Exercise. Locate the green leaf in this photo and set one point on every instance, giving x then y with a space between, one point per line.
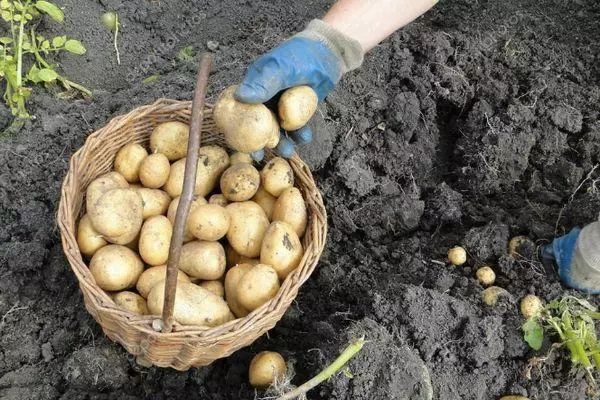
18 6
33 74
17 17
47 75
59 41
28 17
533 333
74 46
45 45
51 9
6 15
4 4
26 46
5 40
150 79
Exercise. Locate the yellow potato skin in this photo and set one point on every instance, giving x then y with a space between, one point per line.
265 368
172 212
296 106
266 201
154 202
209 222
203 260
233 258
101 185
240 182
290 208
131 302
248 226
239 157
155 240
153 276
118 215
154 171
215 287
232 279
194 305
247 127
276 176
128 161
170 139
218 199
281 249
257 286
115 267
88 239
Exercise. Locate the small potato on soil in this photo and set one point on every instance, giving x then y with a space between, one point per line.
203 260
290 208
266 368
232 280
155 240
131 302
115 267
194 305
281 249
128 161
88 239
485 276
101 185
172 212
118 215
276 176
154 202
257 286
266 201
170 139
247 229
209 222
531 306
521 247
247 127
154 171
457 255
491 295
218 199
215 287
239 157
240 182
296 106
154 275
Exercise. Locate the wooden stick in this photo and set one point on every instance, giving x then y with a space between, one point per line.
189 181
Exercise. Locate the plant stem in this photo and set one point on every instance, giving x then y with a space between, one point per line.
328 372
116 36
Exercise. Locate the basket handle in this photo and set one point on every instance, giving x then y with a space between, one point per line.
187 195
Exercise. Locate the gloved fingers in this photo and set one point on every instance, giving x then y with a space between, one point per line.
302 136
286 147
263 80
258 155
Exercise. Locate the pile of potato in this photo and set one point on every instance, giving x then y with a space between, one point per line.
243 233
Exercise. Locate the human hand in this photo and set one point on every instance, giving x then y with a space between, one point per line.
316 57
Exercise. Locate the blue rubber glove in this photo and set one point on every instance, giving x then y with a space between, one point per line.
561 251
316 57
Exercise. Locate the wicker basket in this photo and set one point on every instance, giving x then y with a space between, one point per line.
186 346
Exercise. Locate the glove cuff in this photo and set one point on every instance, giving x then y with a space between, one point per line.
348 50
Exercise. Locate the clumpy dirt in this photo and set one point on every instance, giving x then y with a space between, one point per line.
474 124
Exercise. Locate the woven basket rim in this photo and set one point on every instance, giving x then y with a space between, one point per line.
102 302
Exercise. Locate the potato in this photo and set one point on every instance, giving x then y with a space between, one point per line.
154 171
194 305
154 202
233 258
203 260
215 287
128 161
257 286
491 295
101 185
209 222
172 212
115 267
275 134
296 106
213 160
276 176
118 215
457 255
247 127
265 200
240 182
281 249
131 302
266 368
232 279
155 275
170 139
531 306
239 157
290 208
218 199
155 240
88 239
248 226
485 276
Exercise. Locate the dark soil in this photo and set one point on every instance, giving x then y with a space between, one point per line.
476 123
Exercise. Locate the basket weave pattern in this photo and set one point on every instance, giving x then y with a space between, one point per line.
188 345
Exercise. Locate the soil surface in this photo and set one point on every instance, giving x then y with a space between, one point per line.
476 123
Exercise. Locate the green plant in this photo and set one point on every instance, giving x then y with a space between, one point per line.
23 41
572 321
